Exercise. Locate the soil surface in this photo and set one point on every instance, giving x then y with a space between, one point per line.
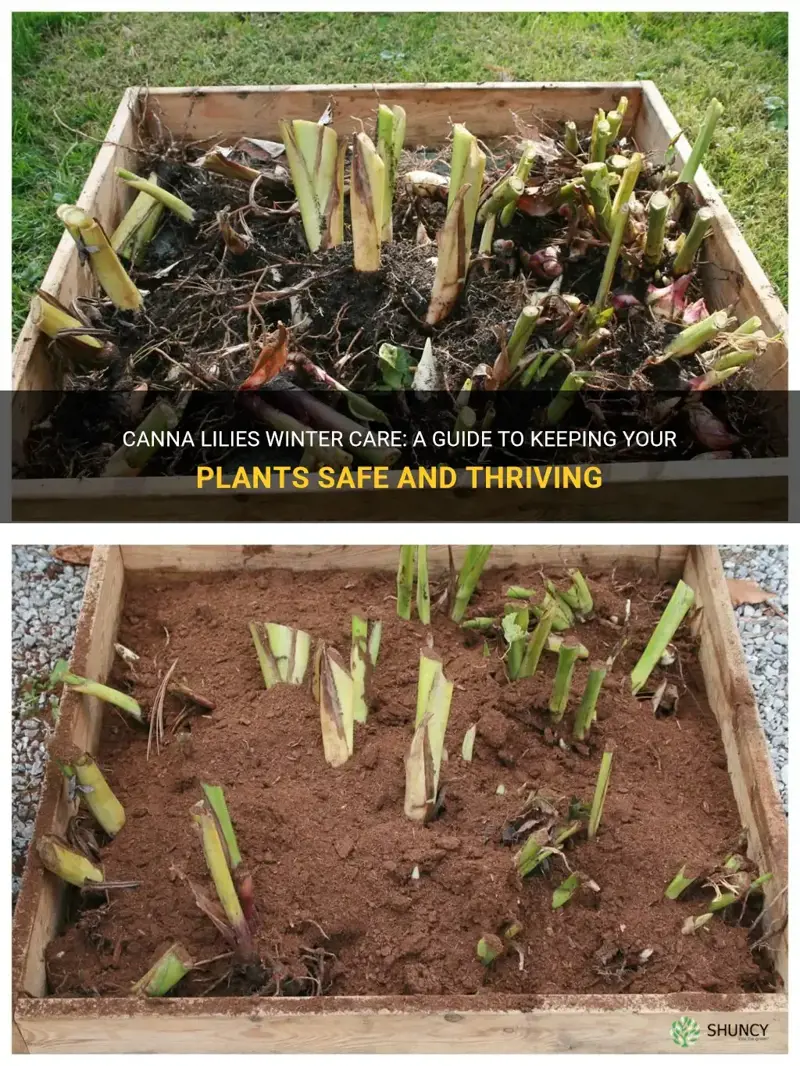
331 851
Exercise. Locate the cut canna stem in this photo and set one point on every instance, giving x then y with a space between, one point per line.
218 163
374 642
217 863
424 760
61 675
363 656
531 855
105 264
97 795
468 743
283 652
657 218
468 577
566 890
614 120
520 334
689 340
467 165
334 688
390 137
601 136
316 160
554 643
242 879
537 642
700 229
612 255
601 789
525 162
451 262
367 186
504 193
52 319
578 597
359 665
595 177
164 974
490 947
567 657
515 628
626 186
675 612
687 175
124 238
571 142
562 612
487 239
171 202
587 712
130 459
67 864
679 883
405 581
483 623
517 592
565 397
423 589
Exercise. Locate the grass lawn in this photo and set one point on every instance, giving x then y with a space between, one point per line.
70 69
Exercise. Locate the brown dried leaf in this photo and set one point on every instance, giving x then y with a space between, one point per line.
74 554
271 359
743 591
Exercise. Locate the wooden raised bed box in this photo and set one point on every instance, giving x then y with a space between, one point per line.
217 115
492 1022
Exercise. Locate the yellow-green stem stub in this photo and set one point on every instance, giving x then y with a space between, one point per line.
600 792
97 795
165 973
61 675
216 801
676 610
335 693
171 202
69 865
424 760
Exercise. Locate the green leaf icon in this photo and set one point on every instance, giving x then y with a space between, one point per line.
685 1032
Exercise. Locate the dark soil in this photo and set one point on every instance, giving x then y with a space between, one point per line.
331 851
199 329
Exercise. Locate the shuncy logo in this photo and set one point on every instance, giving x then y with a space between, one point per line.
685 1031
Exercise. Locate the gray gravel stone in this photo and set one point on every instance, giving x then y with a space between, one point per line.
764 631
46 601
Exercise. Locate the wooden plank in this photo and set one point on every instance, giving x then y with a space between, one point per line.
729 490
222 114
393 1025
733 275
666 562
39 904
733 702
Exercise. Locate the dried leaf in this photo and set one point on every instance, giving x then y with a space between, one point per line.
742 591
73 554
270 360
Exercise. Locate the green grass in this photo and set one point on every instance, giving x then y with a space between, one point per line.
70 70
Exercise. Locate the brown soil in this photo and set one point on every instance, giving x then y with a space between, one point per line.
332 853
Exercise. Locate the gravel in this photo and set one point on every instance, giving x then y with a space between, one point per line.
46 604
764 631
